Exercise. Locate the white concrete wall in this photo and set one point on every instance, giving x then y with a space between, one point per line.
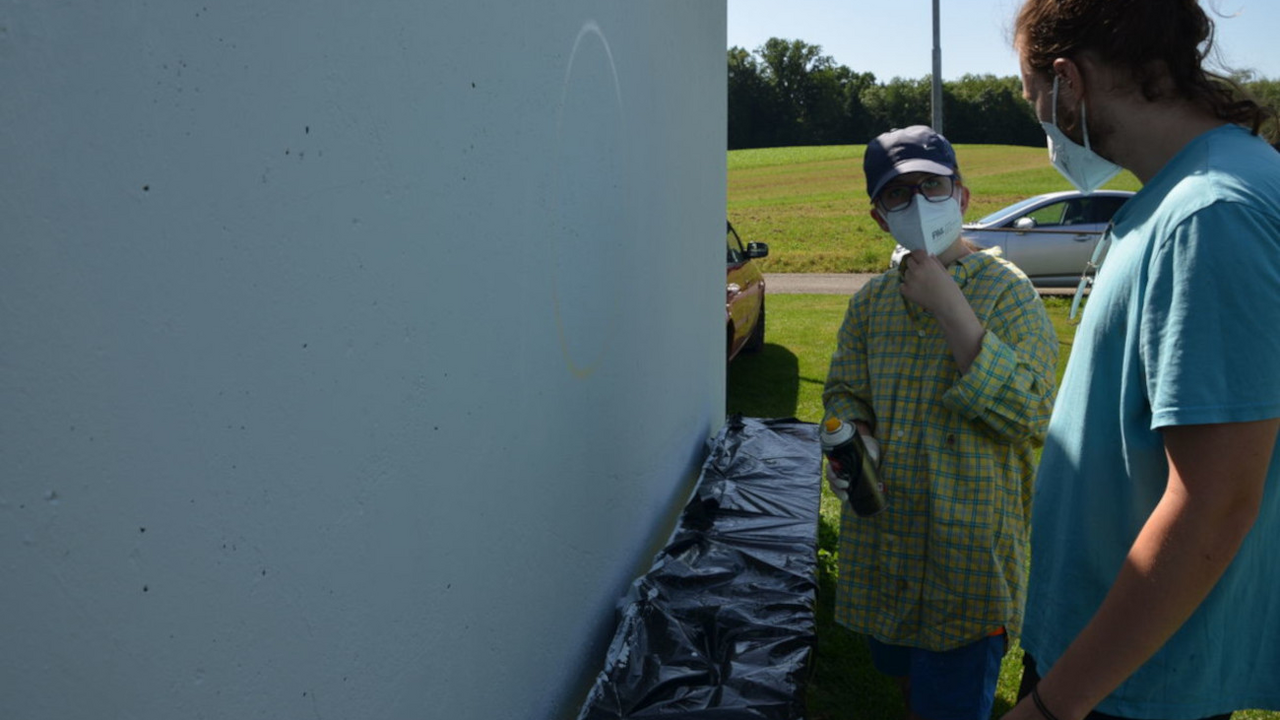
353 355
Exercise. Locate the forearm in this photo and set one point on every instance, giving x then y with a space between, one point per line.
963 332
1178 557
1009 389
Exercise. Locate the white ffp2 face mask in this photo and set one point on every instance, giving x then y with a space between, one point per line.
1080 165
924 225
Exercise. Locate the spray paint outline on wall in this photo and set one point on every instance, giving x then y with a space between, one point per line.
574 320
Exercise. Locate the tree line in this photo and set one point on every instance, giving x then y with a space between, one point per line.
787 92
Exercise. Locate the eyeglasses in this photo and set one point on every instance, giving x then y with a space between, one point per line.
936 188
1090 272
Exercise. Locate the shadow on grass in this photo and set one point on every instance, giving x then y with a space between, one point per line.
764 384
843 685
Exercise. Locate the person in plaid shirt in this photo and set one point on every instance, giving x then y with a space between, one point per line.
947 368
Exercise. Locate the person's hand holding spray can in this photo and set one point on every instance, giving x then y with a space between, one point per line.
853 466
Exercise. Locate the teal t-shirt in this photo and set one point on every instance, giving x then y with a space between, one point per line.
1182 328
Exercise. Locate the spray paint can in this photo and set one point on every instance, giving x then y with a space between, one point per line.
849 459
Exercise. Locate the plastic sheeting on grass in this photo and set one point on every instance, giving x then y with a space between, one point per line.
722 626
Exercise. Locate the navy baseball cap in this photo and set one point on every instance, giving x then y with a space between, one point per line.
906 150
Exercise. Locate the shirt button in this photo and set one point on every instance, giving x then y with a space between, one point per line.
900 433
920 333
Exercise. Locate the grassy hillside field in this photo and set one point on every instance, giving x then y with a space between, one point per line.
810 204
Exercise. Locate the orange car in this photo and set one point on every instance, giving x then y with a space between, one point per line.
744 295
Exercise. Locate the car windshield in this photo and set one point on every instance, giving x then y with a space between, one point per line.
1010 211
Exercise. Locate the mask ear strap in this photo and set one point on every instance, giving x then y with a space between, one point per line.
1055 100
1084 114
1084 124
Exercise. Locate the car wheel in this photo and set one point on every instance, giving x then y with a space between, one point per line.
756 341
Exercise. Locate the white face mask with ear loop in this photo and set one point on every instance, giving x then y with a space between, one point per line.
924 225
1081 166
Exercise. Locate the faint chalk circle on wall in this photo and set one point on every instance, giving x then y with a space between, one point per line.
590 203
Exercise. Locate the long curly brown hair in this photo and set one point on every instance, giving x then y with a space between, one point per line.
1163 44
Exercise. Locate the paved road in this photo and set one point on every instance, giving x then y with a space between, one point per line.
840 284
815 283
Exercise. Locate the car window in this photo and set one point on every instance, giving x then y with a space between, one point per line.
737 253
1076 212
1050 215
1101 209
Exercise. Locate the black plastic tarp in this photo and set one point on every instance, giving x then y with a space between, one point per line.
722 625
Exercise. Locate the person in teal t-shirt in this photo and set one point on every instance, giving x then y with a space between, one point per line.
1155 584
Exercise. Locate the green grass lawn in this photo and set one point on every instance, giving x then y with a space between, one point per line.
810 204
785 380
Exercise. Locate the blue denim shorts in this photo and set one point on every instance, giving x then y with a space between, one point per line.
955 684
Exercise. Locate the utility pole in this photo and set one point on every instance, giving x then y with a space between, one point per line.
937 71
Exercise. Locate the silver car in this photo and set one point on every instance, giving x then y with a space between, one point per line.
1049 237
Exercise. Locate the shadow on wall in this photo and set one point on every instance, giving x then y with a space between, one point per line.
764 384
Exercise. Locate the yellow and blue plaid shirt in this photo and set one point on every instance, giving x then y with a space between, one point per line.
945 563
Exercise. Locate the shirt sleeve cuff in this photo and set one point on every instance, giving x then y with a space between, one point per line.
848 408
988 373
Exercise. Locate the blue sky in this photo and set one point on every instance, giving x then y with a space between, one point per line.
894 38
